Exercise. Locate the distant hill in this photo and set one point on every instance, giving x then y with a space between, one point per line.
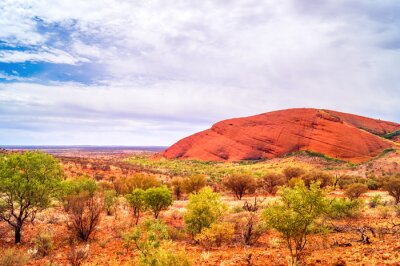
334 134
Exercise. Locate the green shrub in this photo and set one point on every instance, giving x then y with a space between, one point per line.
375 201
157 199
203 209
126 185
13 257
136 202
84 212
151 240
44 243
249 226
217 234
194 183
317 176
345 208
110 200
372 184
177 184
295 215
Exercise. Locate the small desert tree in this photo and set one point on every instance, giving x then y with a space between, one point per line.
293 172
83 204
354 191
28 182
392 186
317 176
136 202
177 184
157 199
194 183
110 200
296 214
240 184
271 182
203 209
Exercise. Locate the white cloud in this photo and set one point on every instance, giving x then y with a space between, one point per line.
184 64
54 56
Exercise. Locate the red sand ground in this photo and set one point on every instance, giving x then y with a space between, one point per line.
338 135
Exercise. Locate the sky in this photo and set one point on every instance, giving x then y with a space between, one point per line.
126 72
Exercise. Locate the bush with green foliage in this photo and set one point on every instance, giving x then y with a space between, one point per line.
136 202
125 185
375 201
110 200
296 214
83 203
392 186
157 199
372 184
354 191
217 234
84 210
204 208
342 181
240 184
317 176
194 183
28 183
152 241
345 208
44 243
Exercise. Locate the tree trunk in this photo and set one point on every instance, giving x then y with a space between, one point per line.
17 231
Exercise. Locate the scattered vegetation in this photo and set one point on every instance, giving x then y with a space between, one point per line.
240 184
28 183
295 216
304 206
204 209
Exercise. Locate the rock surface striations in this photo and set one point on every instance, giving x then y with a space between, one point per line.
338 135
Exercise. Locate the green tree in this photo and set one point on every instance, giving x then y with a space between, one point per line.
157 199
136 202
28 182
296 214
203 209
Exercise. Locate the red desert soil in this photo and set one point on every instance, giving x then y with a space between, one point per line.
338 135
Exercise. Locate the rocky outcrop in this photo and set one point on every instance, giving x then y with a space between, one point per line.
335 134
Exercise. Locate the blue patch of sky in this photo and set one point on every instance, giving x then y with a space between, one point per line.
59 35
44 72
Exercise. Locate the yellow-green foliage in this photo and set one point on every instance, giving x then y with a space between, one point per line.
216 169
216 235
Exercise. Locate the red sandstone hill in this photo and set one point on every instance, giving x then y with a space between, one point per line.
335 134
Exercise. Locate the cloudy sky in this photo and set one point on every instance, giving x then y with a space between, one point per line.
124 72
